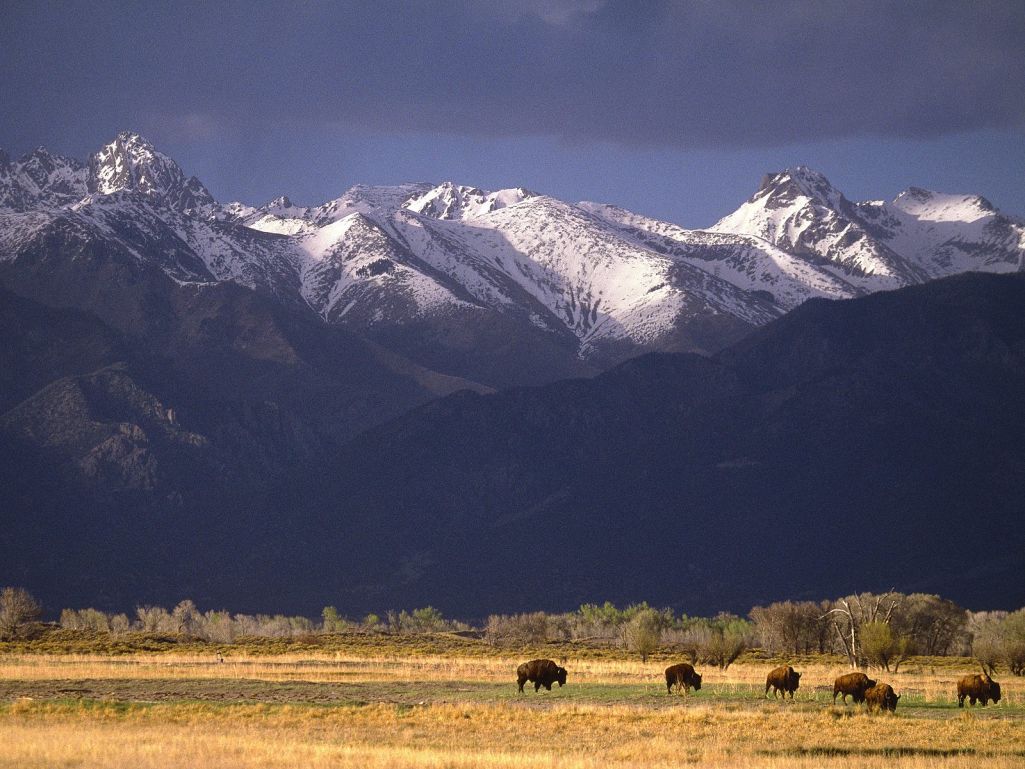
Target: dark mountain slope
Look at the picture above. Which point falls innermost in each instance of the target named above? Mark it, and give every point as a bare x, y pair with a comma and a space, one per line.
41, 344
134, 462
860, 444
863, 443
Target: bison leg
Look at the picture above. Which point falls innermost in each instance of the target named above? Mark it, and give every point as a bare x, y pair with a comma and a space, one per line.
669, 686
972, 699
548, 686
520, 682
985, 701
537, 686
960, 700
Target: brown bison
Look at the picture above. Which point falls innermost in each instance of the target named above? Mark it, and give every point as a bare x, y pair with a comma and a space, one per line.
854, 684
882, 697
783, 679
976, 687
683, 677
540, 673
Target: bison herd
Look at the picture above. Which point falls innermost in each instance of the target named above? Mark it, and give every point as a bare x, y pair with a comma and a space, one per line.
785, 680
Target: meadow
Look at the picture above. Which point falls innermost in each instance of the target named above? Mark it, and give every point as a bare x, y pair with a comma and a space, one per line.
451, 702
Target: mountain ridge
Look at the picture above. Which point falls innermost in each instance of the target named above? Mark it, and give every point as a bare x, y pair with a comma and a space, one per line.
438, 271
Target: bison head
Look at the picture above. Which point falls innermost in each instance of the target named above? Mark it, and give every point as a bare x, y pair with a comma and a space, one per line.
994, 690
696, 681
560, 676
869, 683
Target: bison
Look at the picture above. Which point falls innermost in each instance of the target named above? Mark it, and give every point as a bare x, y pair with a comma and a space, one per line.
683, 676
854, 684
882, 697
540, 673
977, 688
783, 679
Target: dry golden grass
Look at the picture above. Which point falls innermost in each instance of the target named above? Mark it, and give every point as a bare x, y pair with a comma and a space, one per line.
614, 713
47, 735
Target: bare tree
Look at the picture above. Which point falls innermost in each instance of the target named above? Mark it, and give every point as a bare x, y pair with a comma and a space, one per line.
850, 613
186, 618
933, 624
790, 627
17, 609
1013, 642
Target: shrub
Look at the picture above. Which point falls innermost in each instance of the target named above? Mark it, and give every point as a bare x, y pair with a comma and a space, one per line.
726, 640
643, 632
333, 622
517, 629
881, 646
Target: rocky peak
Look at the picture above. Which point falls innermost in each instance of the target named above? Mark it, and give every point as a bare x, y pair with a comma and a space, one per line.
784, 187
130, 162
453, 201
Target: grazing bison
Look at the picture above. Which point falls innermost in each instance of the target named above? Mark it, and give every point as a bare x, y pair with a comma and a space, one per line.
540, 673
683, 676
882, 697
981, 688
854, 684
783, 679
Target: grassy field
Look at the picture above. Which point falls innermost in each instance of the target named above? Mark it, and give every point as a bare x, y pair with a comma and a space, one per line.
459, 709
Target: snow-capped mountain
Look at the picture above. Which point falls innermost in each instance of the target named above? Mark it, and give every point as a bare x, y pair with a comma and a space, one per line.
876, 245
448, 273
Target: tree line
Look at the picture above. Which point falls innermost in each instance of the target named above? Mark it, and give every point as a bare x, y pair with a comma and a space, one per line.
883, 630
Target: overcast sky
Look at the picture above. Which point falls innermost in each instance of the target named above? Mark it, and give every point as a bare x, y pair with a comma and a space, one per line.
672, 109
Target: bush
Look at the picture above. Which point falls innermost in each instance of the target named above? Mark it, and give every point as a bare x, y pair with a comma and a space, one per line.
726, 640
881, 646
333, 622
517, 629
643, 632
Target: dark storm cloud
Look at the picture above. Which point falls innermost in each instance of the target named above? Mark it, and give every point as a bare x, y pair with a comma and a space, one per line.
703, 74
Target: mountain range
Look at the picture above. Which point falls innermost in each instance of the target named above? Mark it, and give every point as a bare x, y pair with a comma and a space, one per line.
507, 287
278, 407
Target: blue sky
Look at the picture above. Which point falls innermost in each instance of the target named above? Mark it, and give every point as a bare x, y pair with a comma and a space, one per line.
670, 109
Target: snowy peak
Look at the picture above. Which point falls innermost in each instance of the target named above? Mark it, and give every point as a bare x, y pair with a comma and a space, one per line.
130, 162
875, 246
40, 179
926, 205
451, 201
785, 188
